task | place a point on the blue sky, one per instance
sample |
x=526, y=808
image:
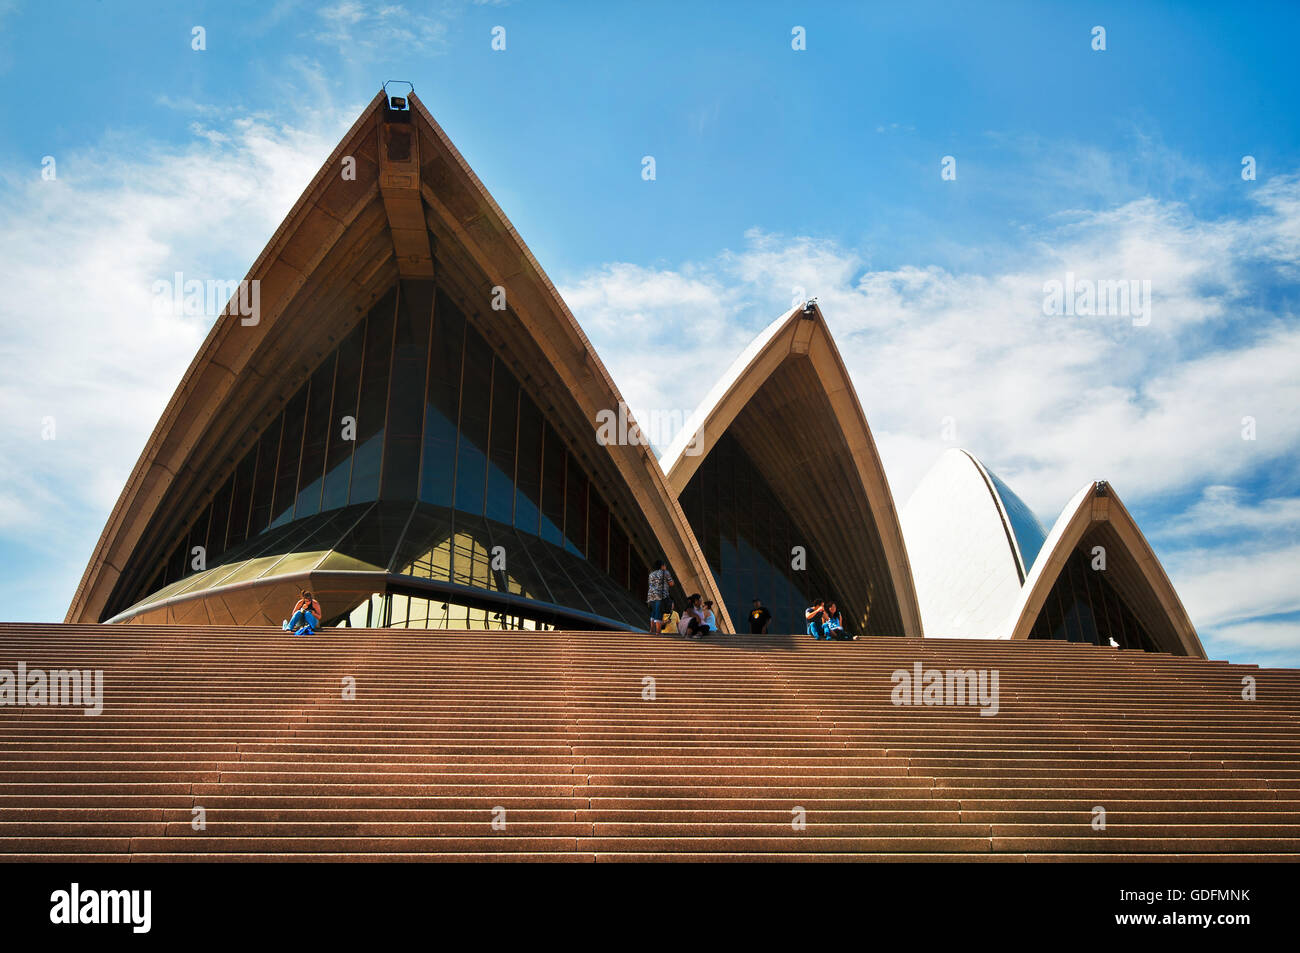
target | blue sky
x=776, y=171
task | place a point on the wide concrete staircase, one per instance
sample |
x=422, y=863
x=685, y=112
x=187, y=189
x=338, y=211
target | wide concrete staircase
x=556, y=746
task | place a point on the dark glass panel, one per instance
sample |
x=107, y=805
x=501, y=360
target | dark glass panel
x=406, y=391
x=213, y=537
x=323, y=531
x=1082, y=606
x=315, y=438
x=546, y=558
x=264, y=481
x=374, y=539
x=522, y=566
x=347, y=383
x=575, y=510
x=514, y=572
x=528, y=473
x=743, y=508
x=281, y=539
x=747, y=536
x=368, y=457
x=475, y=408
x=241, y=502
x=598, y=535
x=553, y=456
x=442, y=405
x=425, y=550
x=501, y=456
x=286, y=474
x=618, y=548
x=594, y=584
x=176, y=562
x=199, y=533
x=638, y=574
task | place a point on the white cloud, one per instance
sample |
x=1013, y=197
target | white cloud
x=1266, y=635
x=1224, y=509
x=1233, y=583
x=355, y=27
x=640, y=312
x=83, y=343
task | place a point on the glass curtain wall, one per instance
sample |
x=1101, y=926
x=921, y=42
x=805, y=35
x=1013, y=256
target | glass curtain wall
x=1083, y=606
x=747, y=537
x=415, y=412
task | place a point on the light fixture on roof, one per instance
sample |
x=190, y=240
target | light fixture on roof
x=810, y=307
x=399, y=103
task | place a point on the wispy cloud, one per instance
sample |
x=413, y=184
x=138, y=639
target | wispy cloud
x=354, y=26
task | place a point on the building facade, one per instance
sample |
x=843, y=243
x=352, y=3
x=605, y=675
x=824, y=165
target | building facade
x=408, y=427
x=405, y=429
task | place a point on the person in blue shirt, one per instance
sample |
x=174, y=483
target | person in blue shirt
x=825, y=622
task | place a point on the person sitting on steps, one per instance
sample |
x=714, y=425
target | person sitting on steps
x=306, y=616
x=709, y=618
x=691, y=623
x=834, y=627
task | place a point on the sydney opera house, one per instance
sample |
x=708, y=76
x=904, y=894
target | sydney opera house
x=408, y=429
x=411, y=423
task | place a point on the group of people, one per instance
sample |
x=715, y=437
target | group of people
x=825, y=622
x=697, y=619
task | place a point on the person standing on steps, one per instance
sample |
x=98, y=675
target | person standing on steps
x=759, y=617
x=657, y=595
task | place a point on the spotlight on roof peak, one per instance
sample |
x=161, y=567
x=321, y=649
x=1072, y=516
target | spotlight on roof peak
x=399, y=103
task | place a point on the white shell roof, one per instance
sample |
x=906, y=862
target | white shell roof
x=970, y=541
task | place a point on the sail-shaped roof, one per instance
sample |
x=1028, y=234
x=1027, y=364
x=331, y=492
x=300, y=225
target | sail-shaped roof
x=784, y=426
x=395, y=232
x=1097, y=577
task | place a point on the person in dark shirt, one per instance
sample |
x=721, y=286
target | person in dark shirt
x=815, y=616
x=759, y=617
